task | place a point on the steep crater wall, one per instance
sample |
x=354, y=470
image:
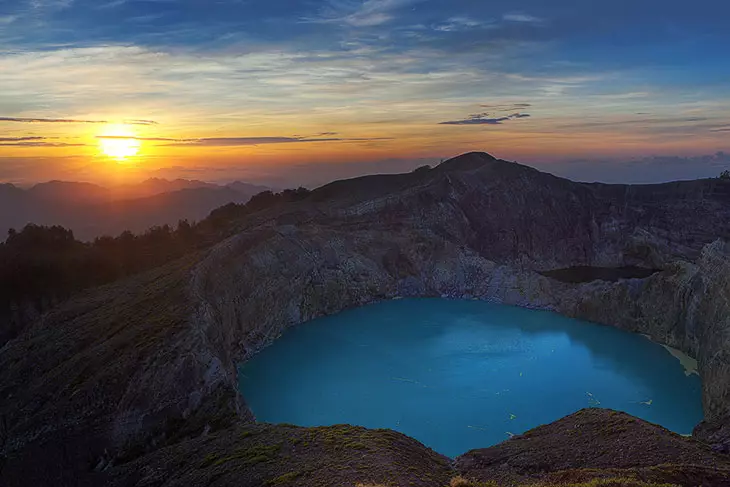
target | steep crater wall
x=684, y=306
x=468, y=234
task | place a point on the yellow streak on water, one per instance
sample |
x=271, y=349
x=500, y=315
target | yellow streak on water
x=690, y=364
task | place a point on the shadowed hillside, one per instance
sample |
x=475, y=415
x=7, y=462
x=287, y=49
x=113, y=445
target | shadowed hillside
x=41, y=267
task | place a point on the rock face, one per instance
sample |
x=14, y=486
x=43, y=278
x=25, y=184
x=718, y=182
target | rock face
x=132, y=367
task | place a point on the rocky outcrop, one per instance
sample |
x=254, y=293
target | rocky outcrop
x=597, y=443
x=134, y=367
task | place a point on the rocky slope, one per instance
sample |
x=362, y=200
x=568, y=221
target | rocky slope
x=597, y=443
x=591, y=444
x=131, y=368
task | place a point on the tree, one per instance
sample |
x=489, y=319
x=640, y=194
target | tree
x=291, y=195
x=185, y=231
x=725, y=175
x=263, y=200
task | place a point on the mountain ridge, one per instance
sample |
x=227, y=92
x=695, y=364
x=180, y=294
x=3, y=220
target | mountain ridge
x=92, y=210
x=148, y=363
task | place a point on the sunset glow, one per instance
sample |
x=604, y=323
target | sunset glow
x=299, y=92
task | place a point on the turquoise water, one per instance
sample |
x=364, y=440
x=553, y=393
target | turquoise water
x=459, y=375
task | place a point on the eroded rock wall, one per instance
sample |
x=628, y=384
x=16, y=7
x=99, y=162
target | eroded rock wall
x=485, y=232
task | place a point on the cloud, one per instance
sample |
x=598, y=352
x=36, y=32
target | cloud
x=124, y=137
x=39, y=144
x=47, y=120
x=20, y=139
x=315, y=83
x=507, y=107
x=301, y=78
x=140, y=122
x=477, y=121
x=485, y=119
x=523, y=18
x=369, y=13
x=455, y=24
x=244, y=141
x=112, y=4
x=69, y=120
x=51, y=4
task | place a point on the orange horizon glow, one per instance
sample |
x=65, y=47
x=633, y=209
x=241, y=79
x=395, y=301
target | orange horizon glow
x=122, y=152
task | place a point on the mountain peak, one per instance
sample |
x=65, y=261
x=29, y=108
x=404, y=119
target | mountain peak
x=468, y=161
x=68, y=190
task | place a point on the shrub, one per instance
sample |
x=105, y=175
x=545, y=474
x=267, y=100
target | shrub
x=460, y=481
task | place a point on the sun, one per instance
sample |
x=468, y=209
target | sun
x=119, y=142
x=119, y=147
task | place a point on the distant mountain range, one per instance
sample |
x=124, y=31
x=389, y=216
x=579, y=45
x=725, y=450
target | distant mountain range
x=91, y=210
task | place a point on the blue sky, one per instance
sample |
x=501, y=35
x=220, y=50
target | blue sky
x=247, y=88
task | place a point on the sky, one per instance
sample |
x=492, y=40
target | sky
x=304, y=91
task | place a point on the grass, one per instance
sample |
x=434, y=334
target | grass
x=285, y=478
x=250, y=456
x=602, y=482
x=460, y=481
x=350, y=437
x=609, y=482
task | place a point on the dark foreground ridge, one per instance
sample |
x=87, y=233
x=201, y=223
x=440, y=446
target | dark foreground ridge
x=590, y=444
x=597, y=443
x=134, y=383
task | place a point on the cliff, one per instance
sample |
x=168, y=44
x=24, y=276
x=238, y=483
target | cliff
x=132, y=368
